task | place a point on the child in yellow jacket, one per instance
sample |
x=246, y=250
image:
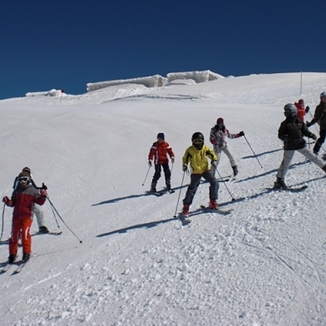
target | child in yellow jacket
x=196, y=156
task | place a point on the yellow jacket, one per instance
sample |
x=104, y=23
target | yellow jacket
x=198, y=158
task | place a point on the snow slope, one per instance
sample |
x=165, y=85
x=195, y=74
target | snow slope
x=262, y=265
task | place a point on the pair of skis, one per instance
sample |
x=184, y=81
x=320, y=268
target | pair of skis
x=161, y=192
x=185, y=219
x=18, y=269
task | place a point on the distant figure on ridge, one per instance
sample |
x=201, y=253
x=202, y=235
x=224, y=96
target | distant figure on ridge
x=218, y=136
x=158, y=154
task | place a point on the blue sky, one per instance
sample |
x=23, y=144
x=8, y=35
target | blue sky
x=66, y=44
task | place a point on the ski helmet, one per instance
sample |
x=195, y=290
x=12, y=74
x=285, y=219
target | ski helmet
x=323, y=94
x=220, y=120
x=290, y=110
x=198, y=140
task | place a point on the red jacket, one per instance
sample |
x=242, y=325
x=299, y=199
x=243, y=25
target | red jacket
x=159, y=153
x=23, y=199
x=301, y=110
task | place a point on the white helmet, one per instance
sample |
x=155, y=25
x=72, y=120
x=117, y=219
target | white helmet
x=322, y=94
x=290, y=110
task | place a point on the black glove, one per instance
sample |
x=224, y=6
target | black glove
x=150, y=164
x=313, y=136
x=285, y=138
x=241, y=133
x=184, y=167
x=44, y=186
x=307, y=109
x=308, y=124
x=5, y=199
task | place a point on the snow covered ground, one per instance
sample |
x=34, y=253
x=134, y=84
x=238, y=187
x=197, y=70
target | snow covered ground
x=262, y=265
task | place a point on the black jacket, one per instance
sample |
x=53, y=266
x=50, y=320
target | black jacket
x=291, y=131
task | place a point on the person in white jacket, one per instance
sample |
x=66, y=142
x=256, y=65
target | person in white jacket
x=218, y=135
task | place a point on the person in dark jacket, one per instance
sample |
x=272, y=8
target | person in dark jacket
x=291, y=132
x=320, y=118
x=22, y=200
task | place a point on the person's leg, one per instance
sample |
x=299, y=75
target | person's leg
x=214, y=185
x=312, y=157
x=285, y=164
x=320, y=141
x=156, y=176
x=192, y=188
x=167, y=174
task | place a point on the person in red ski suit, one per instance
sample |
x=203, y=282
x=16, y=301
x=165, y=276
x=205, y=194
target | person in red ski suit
x=22, y=200
x=158, y=154
x=301, y=109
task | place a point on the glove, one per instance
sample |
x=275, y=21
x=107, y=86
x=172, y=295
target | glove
x=314, y=137
x=241, y=133
x=5, y=199
x=214, y=163
x=184, y=167
x=285, y=139
x=43, y=192
x=150, y=164
x=308, y=124
x=307, y=109
x=172, y=159
x=44, y=186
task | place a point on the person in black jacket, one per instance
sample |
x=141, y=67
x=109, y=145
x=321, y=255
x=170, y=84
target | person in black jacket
x=291, y=132
x=320, y=118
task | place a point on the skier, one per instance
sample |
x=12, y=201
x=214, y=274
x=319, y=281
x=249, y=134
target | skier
x=37, y=210
x=22, y=199
x=320, y=118
x=196, y=155
x=218, y=136
x=301, y=109
x=158, y=154
x=291, y=132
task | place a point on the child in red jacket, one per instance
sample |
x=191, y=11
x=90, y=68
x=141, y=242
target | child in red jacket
x=22, y=200
x=159, y=153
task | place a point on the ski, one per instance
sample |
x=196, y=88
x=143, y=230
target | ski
x=157, y=193
x=294, y=189
x=5, y=268
x=20, y=267
x=184, y=219
x=50, y=233
x=219, y=210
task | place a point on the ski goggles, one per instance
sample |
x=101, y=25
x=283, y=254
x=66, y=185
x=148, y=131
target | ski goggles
x=23, y=179
x=197, y=141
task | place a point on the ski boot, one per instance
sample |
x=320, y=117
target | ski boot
x=43, y=229
x=213, y=204
x=185, y=210
x=26, y=258
x=11, y=258
x=280, y=184
x=235, y=170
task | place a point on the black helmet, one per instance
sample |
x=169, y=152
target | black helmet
x=197, y=135
x=197, y=140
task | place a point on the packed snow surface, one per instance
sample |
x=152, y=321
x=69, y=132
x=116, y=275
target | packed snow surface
x=264, y=264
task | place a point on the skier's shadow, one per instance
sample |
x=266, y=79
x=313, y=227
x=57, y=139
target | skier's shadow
x=264, y=153
x=147, y=225
x=114, y=200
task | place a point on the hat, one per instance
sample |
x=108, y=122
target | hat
x=160, y=135
x=220, y=120
x=27, y=169
x=24, y=174
x=301, y=101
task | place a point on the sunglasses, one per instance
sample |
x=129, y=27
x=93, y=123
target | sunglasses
x=197, y=141
x=23, y=179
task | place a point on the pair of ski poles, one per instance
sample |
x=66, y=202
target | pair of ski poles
x=54, y=211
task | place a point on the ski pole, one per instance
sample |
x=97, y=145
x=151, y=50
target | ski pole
x=55, y=218
x=176, y=208
x=233, y=199
x=62, y=219
x=146, y=175
x=252, y=150
x=3, y=220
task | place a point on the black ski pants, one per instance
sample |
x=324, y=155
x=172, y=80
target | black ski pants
x=194, y=183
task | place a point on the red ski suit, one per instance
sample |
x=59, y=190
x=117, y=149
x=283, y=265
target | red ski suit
x=23, y=198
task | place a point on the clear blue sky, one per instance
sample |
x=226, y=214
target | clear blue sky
x=48, y=44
